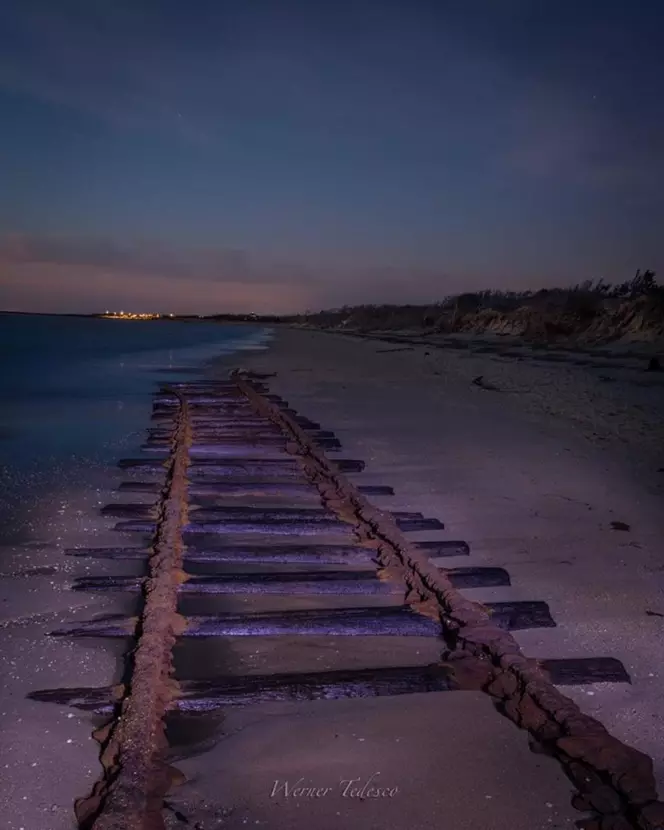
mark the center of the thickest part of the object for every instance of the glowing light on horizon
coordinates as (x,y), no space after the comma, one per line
(129,315)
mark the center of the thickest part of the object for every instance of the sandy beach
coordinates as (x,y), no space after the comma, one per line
(531,469)
(532,476)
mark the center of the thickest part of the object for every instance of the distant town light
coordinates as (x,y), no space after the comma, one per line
(130,315)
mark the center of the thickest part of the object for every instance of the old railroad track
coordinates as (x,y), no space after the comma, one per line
(220,455)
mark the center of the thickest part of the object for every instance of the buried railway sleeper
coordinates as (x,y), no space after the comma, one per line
(247,488)
(296,582)
(221,420)
(272,522)
(249,690)
(314,554)
(219,513)
(240,526)
(216,446)
(238,466)
(234,430)
(379,621)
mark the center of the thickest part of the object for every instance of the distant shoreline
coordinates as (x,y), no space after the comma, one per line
(166,318)
(558,318)
(586,315)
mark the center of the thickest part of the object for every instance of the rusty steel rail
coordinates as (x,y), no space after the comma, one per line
(130,793)
(615,782)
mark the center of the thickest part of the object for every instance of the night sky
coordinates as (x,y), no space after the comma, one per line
(272,156)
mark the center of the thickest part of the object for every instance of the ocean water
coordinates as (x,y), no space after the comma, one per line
(76,392)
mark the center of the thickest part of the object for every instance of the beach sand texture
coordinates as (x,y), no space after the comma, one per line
(532,476)
(531,468)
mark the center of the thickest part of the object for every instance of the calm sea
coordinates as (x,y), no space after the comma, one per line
(76,392)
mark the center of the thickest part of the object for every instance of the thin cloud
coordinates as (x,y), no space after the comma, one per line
(83,273)
(207,264)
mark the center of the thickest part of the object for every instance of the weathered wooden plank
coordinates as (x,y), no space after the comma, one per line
(327,444)
(142,463)
(236,443)
(201,550)
(349,465)
(205,696)
(345,464)
(305,423)
(223,399)
(413,525)
(237,408)
(479,577)
(232,432)
(200,402)
(219,513)
(259,514)
(209,383)
(517,616)
(129,511)
(231,469)
(109,553)
(345,622)
(218,489)
(443,548)
(286,527)
(236,431)
(380,621)
(218,445)
(140,487)
(231,466)
(222,446)
(218,418)
(208,695)
(203,452)
(331,685)
(348,582)
(582,671)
